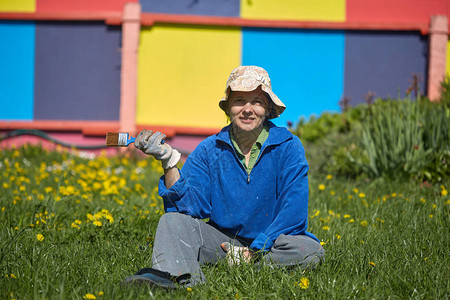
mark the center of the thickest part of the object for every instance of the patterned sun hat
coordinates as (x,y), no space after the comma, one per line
(248,78)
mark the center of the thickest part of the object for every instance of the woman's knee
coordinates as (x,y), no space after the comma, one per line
(176,221)
(299,249)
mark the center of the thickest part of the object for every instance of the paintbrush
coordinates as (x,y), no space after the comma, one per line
(118,139)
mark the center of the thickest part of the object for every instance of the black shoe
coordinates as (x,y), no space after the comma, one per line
(157,278)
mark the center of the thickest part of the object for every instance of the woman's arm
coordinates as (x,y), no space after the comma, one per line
(171,176)
(187,190)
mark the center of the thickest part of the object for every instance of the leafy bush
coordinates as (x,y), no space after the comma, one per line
(317,128)
(406,138)
(388,138)
(342,161)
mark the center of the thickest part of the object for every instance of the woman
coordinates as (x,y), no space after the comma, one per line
(250,180)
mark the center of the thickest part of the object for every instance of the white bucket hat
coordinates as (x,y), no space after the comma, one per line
(247,79)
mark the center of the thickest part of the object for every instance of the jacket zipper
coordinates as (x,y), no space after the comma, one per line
(235,155)
(256,162)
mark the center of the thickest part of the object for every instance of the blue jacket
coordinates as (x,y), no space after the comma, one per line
(272,200)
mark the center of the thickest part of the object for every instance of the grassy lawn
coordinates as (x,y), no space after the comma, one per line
(74,227)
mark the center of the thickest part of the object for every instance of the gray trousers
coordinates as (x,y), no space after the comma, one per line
(183,243)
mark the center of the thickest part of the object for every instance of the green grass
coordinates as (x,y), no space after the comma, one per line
(382,239)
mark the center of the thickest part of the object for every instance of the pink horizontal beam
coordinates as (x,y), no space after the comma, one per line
(149,19)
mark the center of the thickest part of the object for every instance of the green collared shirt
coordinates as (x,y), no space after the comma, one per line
(254,152)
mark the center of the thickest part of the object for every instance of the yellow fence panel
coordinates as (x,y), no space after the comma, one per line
(17,5)
(182,72)
(300,10)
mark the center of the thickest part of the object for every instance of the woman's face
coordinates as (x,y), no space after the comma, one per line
(248,110)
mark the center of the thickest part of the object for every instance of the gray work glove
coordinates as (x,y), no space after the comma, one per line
(152,144)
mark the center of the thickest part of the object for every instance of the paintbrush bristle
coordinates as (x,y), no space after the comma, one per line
(112,139)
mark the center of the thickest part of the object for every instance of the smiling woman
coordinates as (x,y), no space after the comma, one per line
(247,112)
(250,180)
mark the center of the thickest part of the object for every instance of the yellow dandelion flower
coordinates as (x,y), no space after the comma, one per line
(321,187)
(332,193)
(78,222)
(363,223)
(13,276)
(371,263)
(303,283)
(350,197)
(5,185)
(423,200)
(40,237)
(97,223)
(73,225)
(326,227)
(338,236)
(351,220)
(97,186)
(139,188)
(3,208)
(444,192)
(89,297)
(362,195)
(90,217)
(100,293)
(322,243)
(434,206)
(394,195)
(189,289)
(355,190)
(346,216)
(431,216)
(329,176)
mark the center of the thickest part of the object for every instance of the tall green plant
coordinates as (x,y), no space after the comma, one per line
(406,138)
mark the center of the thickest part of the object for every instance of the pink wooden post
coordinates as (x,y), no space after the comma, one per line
(131,26)
(438,55)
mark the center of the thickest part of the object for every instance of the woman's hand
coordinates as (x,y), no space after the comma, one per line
(153,144)
(237,255)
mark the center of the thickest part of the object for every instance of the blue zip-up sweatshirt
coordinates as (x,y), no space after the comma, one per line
(271,200)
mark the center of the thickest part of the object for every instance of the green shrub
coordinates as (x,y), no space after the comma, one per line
(406,138)
(342,161)
(317,128)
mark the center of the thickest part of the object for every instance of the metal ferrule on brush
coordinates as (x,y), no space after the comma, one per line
(123,138)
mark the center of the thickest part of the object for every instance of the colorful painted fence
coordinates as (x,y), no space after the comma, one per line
(63,61)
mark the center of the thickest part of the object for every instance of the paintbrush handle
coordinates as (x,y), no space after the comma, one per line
(130,140)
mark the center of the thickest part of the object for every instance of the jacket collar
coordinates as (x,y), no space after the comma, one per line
(277,135)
